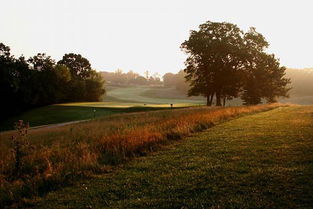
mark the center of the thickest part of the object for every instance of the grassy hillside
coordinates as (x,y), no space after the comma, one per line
(257,161)
(118,100)
(61,113)
(152,95)
(49,158)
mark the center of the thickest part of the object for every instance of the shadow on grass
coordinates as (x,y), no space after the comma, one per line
(59,114)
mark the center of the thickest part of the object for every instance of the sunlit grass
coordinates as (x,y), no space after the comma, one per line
(261,160)
(118,100)
(61,154)
(126,104)
(67,112)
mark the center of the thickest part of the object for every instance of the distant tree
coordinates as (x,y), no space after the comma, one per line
(4,51)
(147,74)
(15,83)
(119,77)
(85,84)
(301,82)
(41,62)
(40,81)
(130,77)
(9,82)
(155,79)
(43,80)
(77,91)
(180,82)
(169,79)
(79,66)
(63,79)
(63,73)
(140,80)
(94,87)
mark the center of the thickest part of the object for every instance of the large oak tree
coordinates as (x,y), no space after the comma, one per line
(223,59)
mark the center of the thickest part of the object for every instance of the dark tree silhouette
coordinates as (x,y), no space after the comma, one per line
(214,60)
(225,62)
(78,65)
(38,81)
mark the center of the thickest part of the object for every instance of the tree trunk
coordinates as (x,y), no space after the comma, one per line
(224,101)
(211,99)
(208,101)
(218,99)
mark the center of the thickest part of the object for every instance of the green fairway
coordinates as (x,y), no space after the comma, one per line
(263,160)
(118,100)
(53,114)
(153,95)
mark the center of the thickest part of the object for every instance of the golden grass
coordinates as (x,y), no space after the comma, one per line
(62,153)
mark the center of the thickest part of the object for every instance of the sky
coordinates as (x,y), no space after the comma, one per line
(143,35)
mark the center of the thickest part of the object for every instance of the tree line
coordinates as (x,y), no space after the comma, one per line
(302,80)
(170,80)
(40,80)
(176,81)
(226,63)
(131,78)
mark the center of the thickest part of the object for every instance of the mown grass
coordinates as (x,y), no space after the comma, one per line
(61,113)
(147,94)
(169,93)
(117,100)
(263,160)
(59,155)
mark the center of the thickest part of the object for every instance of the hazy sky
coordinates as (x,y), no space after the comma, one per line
(144,35)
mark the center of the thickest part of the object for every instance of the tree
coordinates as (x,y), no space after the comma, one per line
(169,79)
(79,66)
(41,62)
(63,73)
(94,87)
(140,80)
(180,83)
(155,79)
(9,82)
(265,80)
(214,60)
(39,81)
(63,79)
(43,80)
(85,83)
(226,63)
(275,84)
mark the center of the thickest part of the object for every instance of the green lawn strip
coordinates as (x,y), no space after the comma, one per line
(54,114)
(117,100)
(256,161)
(136,93)
(169,93)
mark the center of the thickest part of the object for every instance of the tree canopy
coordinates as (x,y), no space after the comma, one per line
(39,81)
(225,62)
(78,65)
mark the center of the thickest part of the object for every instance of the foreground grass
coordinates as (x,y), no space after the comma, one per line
(58,156)
(257,161)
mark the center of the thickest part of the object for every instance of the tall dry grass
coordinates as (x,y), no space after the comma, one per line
(59,155)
